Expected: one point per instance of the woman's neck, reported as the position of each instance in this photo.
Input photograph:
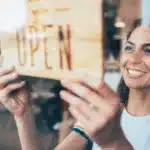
(139, 102)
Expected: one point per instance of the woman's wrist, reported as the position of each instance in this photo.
(79, 129)
(72, 142)
(85, 136)
(119, 142)
(27, 112)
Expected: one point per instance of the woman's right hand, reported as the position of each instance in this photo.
(96, 106)
(13, 95)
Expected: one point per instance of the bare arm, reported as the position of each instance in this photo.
(72, 142)
(121, 144)
(27, 131)
(15, 96)
(76, 142)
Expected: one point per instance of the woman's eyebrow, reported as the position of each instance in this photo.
(146, 44)
(129, 42)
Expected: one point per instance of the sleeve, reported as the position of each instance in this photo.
(95, 146)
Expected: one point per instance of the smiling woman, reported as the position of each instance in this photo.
(135, 61)
(101, 123)
(94, 105)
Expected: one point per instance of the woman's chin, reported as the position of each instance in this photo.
(135, 81)
(135, 85)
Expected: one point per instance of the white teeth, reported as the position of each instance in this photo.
(135, 72)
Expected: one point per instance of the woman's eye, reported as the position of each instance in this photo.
(128, 48)
(147, 50)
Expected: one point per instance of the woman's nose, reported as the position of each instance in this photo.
(136, 57)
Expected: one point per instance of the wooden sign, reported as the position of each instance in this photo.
(55, 39)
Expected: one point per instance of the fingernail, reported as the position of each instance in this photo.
(23, 82)
(64, 82)
(68, 98)
(62, 93)
(12, 67)
(15, 75)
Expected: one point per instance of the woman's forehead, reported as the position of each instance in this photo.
(140, 35)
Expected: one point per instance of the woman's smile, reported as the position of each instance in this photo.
(135, 74)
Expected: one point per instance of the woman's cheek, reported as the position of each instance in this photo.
(146, 60)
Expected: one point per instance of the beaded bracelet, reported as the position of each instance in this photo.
(83, 134)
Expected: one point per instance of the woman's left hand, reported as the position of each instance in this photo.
(95, 105)
(13, 93)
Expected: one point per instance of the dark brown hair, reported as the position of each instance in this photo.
(123, 90)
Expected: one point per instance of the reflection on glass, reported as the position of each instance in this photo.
(13, 15)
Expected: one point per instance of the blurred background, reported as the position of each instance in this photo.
(48, 40)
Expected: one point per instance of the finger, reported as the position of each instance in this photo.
(17, 99)
(8, 89)
(78, 103)
(14, 107)
(89, 79)
(84, 92)
(95, 82)
(8, 78)
(19, 106)
(103, 89)
(66, 115)
(86, 111)
(20, 110)
(10, 105)
(107, 92)
(79, 117)
(81, 106)
(86, 95)
(13, 86)
(70, 98)
(4, 71)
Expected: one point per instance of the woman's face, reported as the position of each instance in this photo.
(135, 59)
